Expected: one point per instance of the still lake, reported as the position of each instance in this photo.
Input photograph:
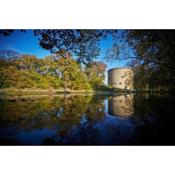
(125, 119)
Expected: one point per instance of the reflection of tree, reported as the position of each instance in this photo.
(41, 112)
(90, 107)
(96, 109)
(29, 114)
(47, 112)
(147, 107)
(71, 130)
(72, 110)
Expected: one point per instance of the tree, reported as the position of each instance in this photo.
(155, 49)
(25, 72)
(82, 44)
(8, 74)
(54, 71)
(152, 49)
(95, 72)
(71, 74)
(26, 62)
(8, 32)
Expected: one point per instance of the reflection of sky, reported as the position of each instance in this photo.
(26, 43)
(111, 130)
(35, 137)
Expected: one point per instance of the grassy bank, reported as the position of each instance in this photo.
(51, 92)
(33, 94)
(22, 92)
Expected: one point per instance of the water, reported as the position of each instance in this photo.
(125, 119)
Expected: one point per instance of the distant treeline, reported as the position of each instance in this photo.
(54, 71)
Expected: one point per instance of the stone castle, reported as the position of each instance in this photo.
(121, 78)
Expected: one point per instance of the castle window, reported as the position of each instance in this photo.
(120, 83)
(122, 76)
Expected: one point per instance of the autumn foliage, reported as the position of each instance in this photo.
(54, 71)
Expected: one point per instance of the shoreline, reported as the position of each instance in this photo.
(23, 94)
(14, 94)
(61, 91)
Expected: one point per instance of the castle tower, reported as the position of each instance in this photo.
(121, 78)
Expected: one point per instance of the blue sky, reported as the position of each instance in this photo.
(27, 43)
(23, 43)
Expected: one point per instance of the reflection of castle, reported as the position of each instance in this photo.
(121, 106)
(121, 78)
